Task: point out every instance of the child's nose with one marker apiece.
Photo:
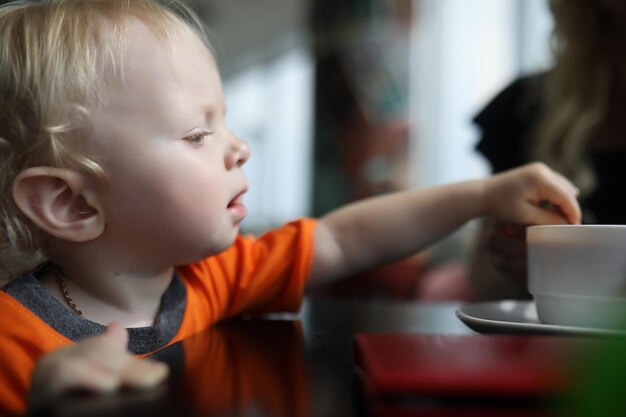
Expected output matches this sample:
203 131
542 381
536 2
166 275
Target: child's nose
237 154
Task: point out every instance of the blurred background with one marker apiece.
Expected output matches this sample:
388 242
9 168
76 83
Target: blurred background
345 99
314 85
341 100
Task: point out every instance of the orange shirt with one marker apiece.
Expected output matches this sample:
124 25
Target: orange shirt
255 275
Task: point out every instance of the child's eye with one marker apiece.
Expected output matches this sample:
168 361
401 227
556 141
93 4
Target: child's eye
198 138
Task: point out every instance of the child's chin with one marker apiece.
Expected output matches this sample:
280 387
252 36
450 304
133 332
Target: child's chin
220 247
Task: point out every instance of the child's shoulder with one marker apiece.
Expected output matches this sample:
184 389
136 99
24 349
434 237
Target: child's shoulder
292 236
25 315
285 244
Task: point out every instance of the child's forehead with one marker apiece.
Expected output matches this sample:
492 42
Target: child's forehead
139 38
147 36
159 73
143 44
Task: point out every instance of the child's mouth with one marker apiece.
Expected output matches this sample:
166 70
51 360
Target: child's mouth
236 206
235 201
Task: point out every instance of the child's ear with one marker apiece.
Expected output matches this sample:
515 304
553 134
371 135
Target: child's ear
61 202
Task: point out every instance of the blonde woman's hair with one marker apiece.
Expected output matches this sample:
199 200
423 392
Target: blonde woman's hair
576 89
53 54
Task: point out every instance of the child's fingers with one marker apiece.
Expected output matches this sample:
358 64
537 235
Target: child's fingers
108 350
87 376
62 373
534 194
553 193
118 334
100 364
540 214
566 184
114 340
108 353
569 213
560 198
104 376
144 373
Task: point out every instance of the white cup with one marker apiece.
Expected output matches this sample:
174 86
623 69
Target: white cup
577 274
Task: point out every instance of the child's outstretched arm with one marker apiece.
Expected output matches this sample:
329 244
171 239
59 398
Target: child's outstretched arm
382 229
99 364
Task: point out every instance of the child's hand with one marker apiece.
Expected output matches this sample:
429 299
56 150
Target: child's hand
532 194
100 364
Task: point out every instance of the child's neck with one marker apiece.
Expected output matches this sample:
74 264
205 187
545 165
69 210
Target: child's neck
129 298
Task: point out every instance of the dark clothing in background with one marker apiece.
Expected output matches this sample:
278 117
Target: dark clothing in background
508 124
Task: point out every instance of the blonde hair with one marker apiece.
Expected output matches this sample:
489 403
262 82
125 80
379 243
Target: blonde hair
577 89
53 54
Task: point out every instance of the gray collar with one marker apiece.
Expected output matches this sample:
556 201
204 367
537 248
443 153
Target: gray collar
35 297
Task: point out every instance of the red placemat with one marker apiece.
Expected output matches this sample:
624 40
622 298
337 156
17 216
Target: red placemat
401 364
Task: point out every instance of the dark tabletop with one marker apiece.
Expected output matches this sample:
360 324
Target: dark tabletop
284 365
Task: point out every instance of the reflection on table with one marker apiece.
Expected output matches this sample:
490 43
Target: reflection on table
288 365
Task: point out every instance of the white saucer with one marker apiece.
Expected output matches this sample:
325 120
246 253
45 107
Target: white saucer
518 317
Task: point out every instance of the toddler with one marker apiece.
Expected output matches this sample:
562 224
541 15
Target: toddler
123 193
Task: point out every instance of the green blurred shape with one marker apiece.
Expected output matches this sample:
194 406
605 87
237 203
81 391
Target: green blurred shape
599 388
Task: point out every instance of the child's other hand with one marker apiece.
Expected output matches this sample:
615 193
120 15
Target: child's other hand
532 194
100 364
